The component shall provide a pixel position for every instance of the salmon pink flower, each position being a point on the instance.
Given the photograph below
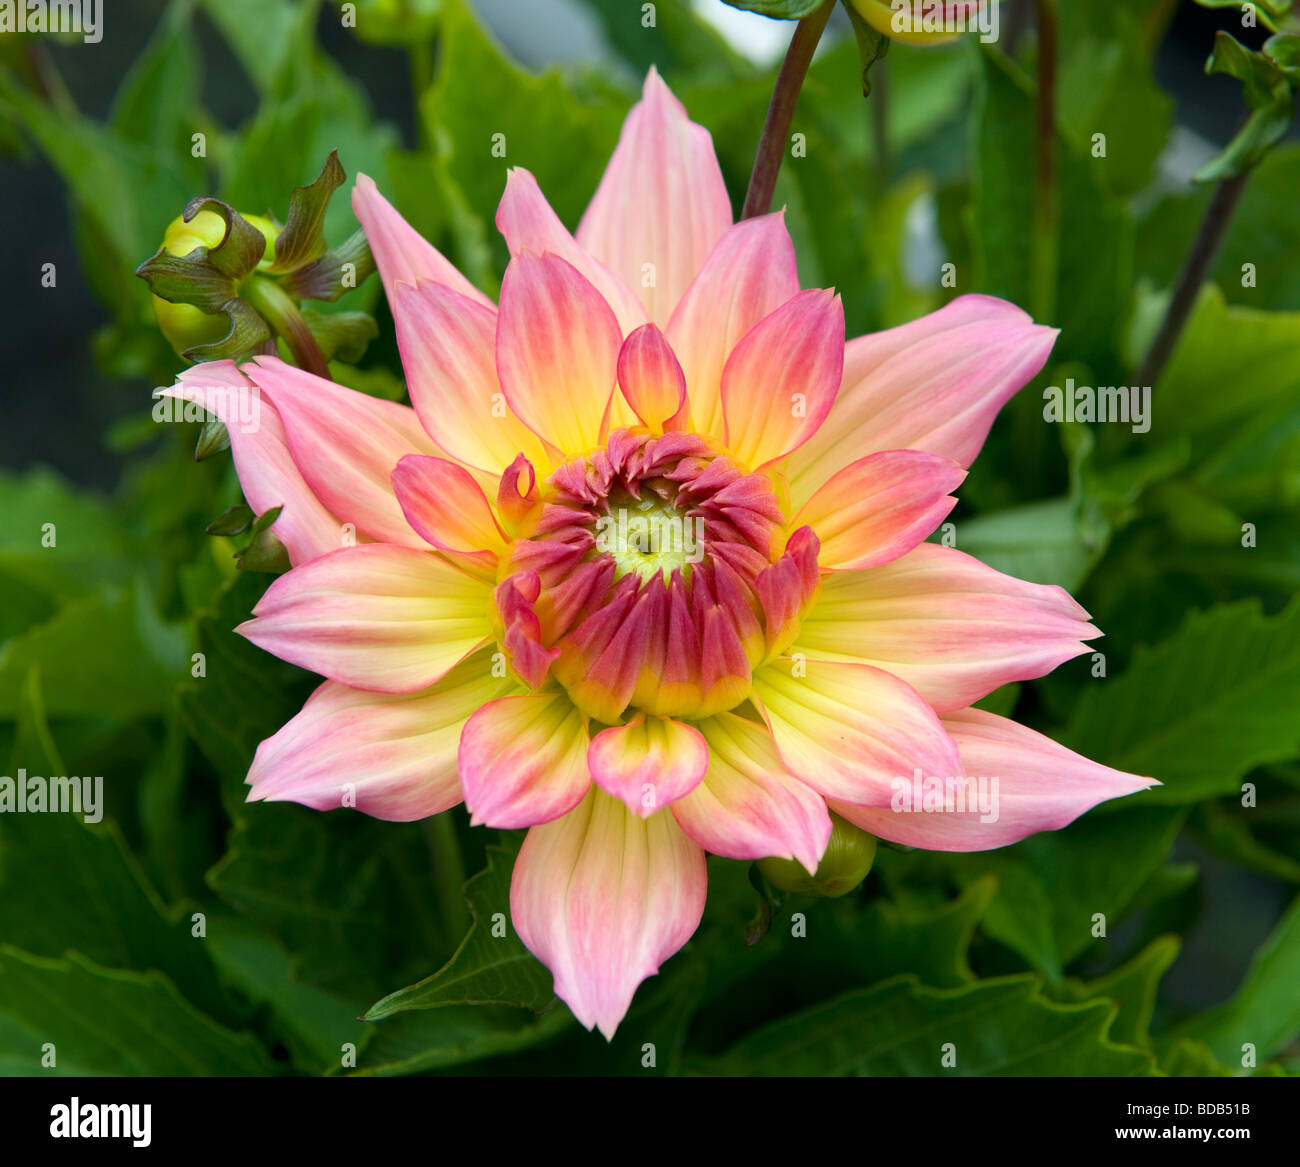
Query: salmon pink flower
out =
(642, 566)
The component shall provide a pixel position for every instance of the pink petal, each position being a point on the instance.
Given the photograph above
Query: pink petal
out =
(401, 253)
(378, 617)
(749, 806)
(950, 626)
(391, 756)
(880, 507)
(648, 763)
(935, 384)
(445, 506)
(749, 274)
(448, 344)
(848, 730)
(1040, 786)
(523, 760)
(661, 202)
(652, 381)
(780, 381)
(557, 351)
(346, 444)
(603, 897)
(528, 223)
(267, 473)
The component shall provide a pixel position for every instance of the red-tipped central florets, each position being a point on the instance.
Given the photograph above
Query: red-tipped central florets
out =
(654, 575)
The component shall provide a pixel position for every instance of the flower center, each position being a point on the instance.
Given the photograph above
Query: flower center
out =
(650, 537)
(653, 576)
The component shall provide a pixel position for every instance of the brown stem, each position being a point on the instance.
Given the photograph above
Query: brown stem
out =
(780, 112)
(1199, 261)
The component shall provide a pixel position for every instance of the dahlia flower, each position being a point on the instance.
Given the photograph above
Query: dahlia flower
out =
(642, 567)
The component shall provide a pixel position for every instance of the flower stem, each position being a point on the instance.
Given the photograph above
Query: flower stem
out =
(780, 112)
(1047, 195)
(1199, 260)
(448, 868)
(274, 306)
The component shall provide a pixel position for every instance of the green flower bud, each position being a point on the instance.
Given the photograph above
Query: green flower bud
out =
(184, 325)
(228, 285)
(848, 858)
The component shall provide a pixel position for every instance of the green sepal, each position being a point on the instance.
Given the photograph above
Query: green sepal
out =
(264, 552)
(243, 245)
(187, 279)
(872, 45)
(248, 334)
(213, 439)
(233, 520)
(303, 237)
(322, 279)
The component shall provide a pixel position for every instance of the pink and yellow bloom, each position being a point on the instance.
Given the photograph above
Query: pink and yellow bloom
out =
(642, 566)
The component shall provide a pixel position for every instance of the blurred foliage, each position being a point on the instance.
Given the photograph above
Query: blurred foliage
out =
(205, 936)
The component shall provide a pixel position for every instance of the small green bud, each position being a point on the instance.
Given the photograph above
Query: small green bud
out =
(184, 325)
(848, 858)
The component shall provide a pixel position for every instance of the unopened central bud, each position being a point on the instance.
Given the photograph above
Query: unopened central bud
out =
(649, 537)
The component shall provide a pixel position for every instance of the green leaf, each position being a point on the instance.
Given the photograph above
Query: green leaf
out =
(436, 1039)
(1190, 398)
(1201, 709)
(108, 1022)
(350, 897)
(1230, 835)
(89, 547)
(93, 896)
(491, 966)
(778, 9)
(1267, 91)
(1045, 542)
(1106, 86)
(316, 1025)
(1265, 1011)
(484, 114)
(156, 100)
(101, 656)
(1132, 987)
(244, 694)
(261, 32)
(1269, 11)
(1052, 887)
(995, 1028)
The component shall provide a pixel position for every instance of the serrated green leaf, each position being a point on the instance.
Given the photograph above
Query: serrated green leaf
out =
(1201, 709)
(994, 1028)
(109, 1022)
(1132, 987)
(491, 966)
